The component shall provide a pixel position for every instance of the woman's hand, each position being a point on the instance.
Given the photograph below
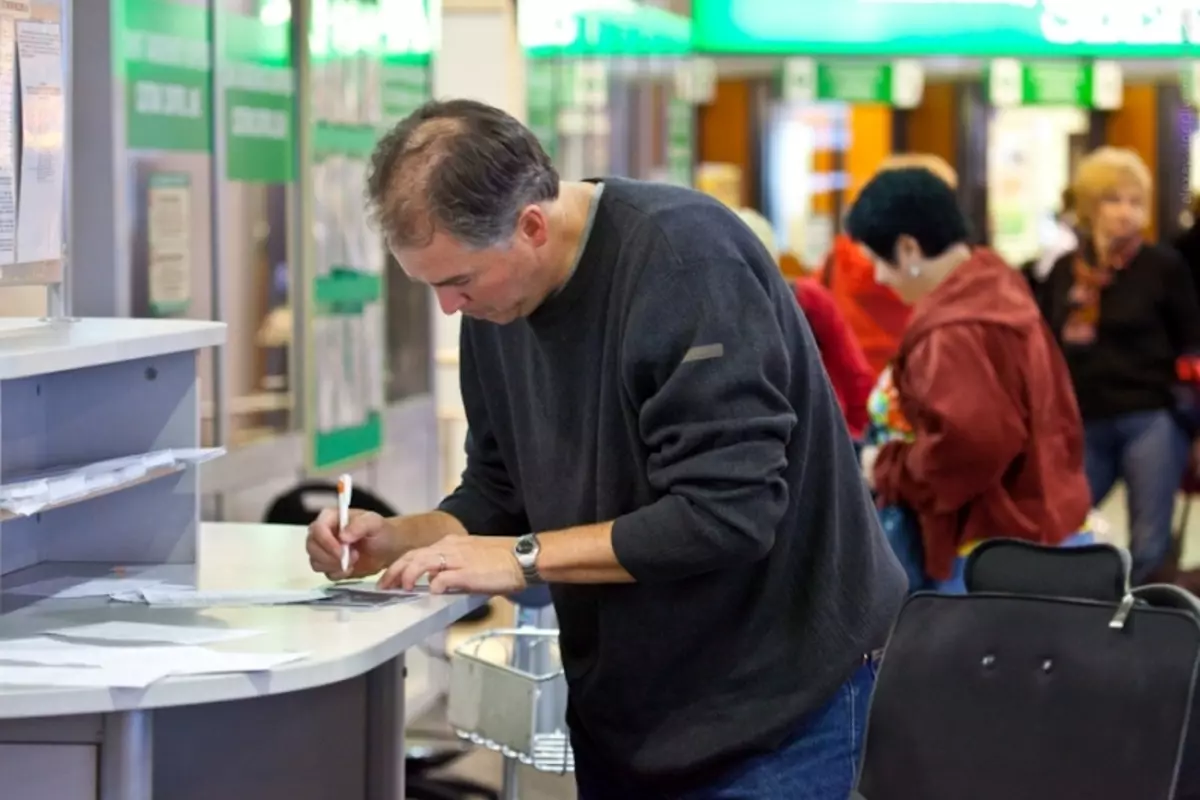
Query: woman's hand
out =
(867, 461)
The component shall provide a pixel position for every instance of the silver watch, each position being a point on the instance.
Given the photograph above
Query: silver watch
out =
(527, 550)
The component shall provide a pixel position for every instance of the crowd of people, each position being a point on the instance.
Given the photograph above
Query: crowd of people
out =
(1010, 402)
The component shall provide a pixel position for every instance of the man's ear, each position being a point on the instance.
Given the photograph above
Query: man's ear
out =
(533, 225)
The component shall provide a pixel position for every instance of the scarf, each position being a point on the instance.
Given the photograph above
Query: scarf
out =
(1089, 282)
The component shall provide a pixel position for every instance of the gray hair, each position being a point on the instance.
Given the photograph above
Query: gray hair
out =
(459, 166)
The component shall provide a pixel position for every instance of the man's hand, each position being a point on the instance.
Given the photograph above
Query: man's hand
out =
(460, 564)
(370, 539)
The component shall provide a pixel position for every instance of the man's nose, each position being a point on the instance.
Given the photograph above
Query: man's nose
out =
(450, 300)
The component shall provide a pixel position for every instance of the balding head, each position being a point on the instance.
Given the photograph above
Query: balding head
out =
(458, 167)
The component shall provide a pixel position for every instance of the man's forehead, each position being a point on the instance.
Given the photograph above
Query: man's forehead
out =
(440, 261)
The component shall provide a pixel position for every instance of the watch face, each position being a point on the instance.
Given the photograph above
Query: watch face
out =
(524, 546)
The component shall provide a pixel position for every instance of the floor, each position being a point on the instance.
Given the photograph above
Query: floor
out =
(487, 767)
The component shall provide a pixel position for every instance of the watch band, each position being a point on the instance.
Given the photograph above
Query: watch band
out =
(526, 551)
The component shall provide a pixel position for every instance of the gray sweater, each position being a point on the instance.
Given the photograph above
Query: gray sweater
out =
(673, 386)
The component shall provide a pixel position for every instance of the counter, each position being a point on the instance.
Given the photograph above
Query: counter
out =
(328, 726)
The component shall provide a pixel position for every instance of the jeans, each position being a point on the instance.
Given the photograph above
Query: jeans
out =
(818, 762)
(1149, 451)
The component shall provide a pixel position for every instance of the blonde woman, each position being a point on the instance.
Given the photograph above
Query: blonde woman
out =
(1126, 314)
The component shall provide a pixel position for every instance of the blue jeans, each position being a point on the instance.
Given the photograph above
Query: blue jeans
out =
(818, 762)
(1149, 451)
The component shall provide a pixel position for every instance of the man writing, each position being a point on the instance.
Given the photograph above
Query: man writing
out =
(652, 434)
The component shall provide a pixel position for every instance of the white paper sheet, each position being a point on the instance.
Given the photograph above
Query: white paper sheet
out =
(370, 587)
(40, 204)
(128, 677)
(70, 588)
(117, 631)
(144, 664)
(192, 598)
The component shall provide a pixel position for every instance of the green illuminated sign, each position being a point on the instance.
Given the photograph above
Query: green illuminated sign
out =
(900, 83)
(555, 28)
(1017, 28)
(1055, 83)
(260, 117)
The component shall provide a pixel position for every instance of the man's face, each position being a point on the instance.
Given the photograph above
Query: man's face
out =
(498, 284)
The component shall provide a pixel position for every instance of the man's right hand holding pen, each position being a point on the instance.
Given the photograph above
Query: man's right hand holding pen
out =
(374, 542)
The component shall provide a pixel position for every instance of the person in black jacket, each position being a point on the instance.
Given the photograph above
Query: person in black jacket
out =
(1125, 312)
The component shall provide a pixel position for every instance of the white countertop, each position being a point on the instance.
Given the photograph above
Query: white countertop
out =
(342, 642)
(33, 347)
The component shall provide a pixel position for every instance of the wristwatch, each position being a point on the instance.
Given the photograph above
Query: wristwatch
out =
(527, 550)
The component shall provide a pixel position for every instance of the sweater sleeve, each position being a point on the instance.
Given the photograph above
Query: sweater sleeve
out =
(1182, 311)
(841, 354)
(486, 500)
(705, 361)
(967, 431)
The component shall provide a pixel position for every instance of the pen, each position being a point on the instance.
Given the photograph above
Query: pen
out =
(344, 485)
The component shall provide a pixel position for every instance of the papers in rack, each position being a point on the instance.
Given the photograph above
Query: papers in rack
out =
(53, 661)
(30, 493)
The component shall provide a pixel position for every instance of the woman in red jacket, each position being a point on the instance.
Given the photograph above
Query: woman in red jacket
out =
(849, 373)
(996, 444)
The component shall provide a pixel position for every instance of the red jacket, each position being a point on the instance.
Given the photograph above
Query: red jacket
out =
(998, 445)
(849, 373)
(874, 313)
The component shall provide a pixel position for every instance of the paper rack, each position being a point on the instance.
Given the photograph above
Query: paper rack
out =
(518, 709)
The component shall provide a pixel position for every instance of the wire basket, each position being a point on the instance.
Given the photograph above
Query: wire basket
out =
(518, 709)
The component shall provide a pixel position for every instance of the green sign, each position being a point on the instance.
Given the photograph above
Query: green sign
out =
(1055, 83)
(1000, 28)
(406, 86)
(681, 141)
(165, 65)
(557, 28)
(900, 83)
(347, 335)
(544, 92)
(260, 107)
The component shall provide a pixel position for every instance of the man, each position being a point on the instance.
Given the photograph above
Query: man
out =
(642, 394)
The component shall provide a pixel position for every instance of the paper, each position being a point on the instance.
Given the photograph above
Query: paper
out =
(168, 223)
(40, 204)
(71, 588)
(131, 666)
(371, 587)
(148, 632)
(197, 455)
(125, 677)
(8, 143)
(191, 598)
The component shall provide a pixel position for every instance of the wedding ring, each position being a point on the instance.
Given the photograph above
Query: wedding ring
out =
(441, 563)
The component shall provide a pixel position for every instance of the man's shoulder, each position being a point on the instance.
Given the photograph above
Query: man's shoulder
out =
(679, 215)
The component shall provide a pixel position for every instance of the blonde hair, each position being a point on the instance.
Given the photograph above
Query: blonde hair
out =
(1104, 171)
(762, 229)
(935, 164)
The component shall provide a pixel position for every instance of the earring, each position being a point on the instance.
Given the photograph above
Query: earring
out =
(914, 271)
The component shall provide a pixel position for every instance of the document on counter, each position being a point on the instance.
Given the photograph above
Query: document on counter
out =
(125, 677)
(40, 202)
(65, 588)
(135, 665)
(116, 631)
(199, 598)
(370, 587)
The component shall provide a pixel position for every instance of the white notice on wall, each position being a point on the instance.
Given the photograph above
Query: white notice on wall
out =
(169, 210)
(8, 144)
(39, 213)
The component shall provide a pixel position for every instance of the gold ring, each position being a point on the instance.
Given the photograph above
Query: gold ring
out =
(441, 563)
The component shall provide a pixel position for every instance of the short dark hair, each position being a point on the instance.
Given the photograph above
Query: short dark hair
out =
(910, 201)
(459, 166)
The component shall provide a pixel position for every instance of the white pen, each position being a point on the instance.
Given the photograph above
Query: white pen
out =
(344, 487)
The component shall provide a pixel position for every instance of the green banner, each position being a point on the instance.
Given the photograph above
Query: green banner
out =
(165, 64)
(260, 107)
(999, 28)
(1076, 84)
(406, 85)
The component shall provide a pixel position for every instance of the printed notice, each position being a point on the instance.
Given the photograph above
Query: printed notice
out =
(169, 233)
(40, 205)
(8, 145)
